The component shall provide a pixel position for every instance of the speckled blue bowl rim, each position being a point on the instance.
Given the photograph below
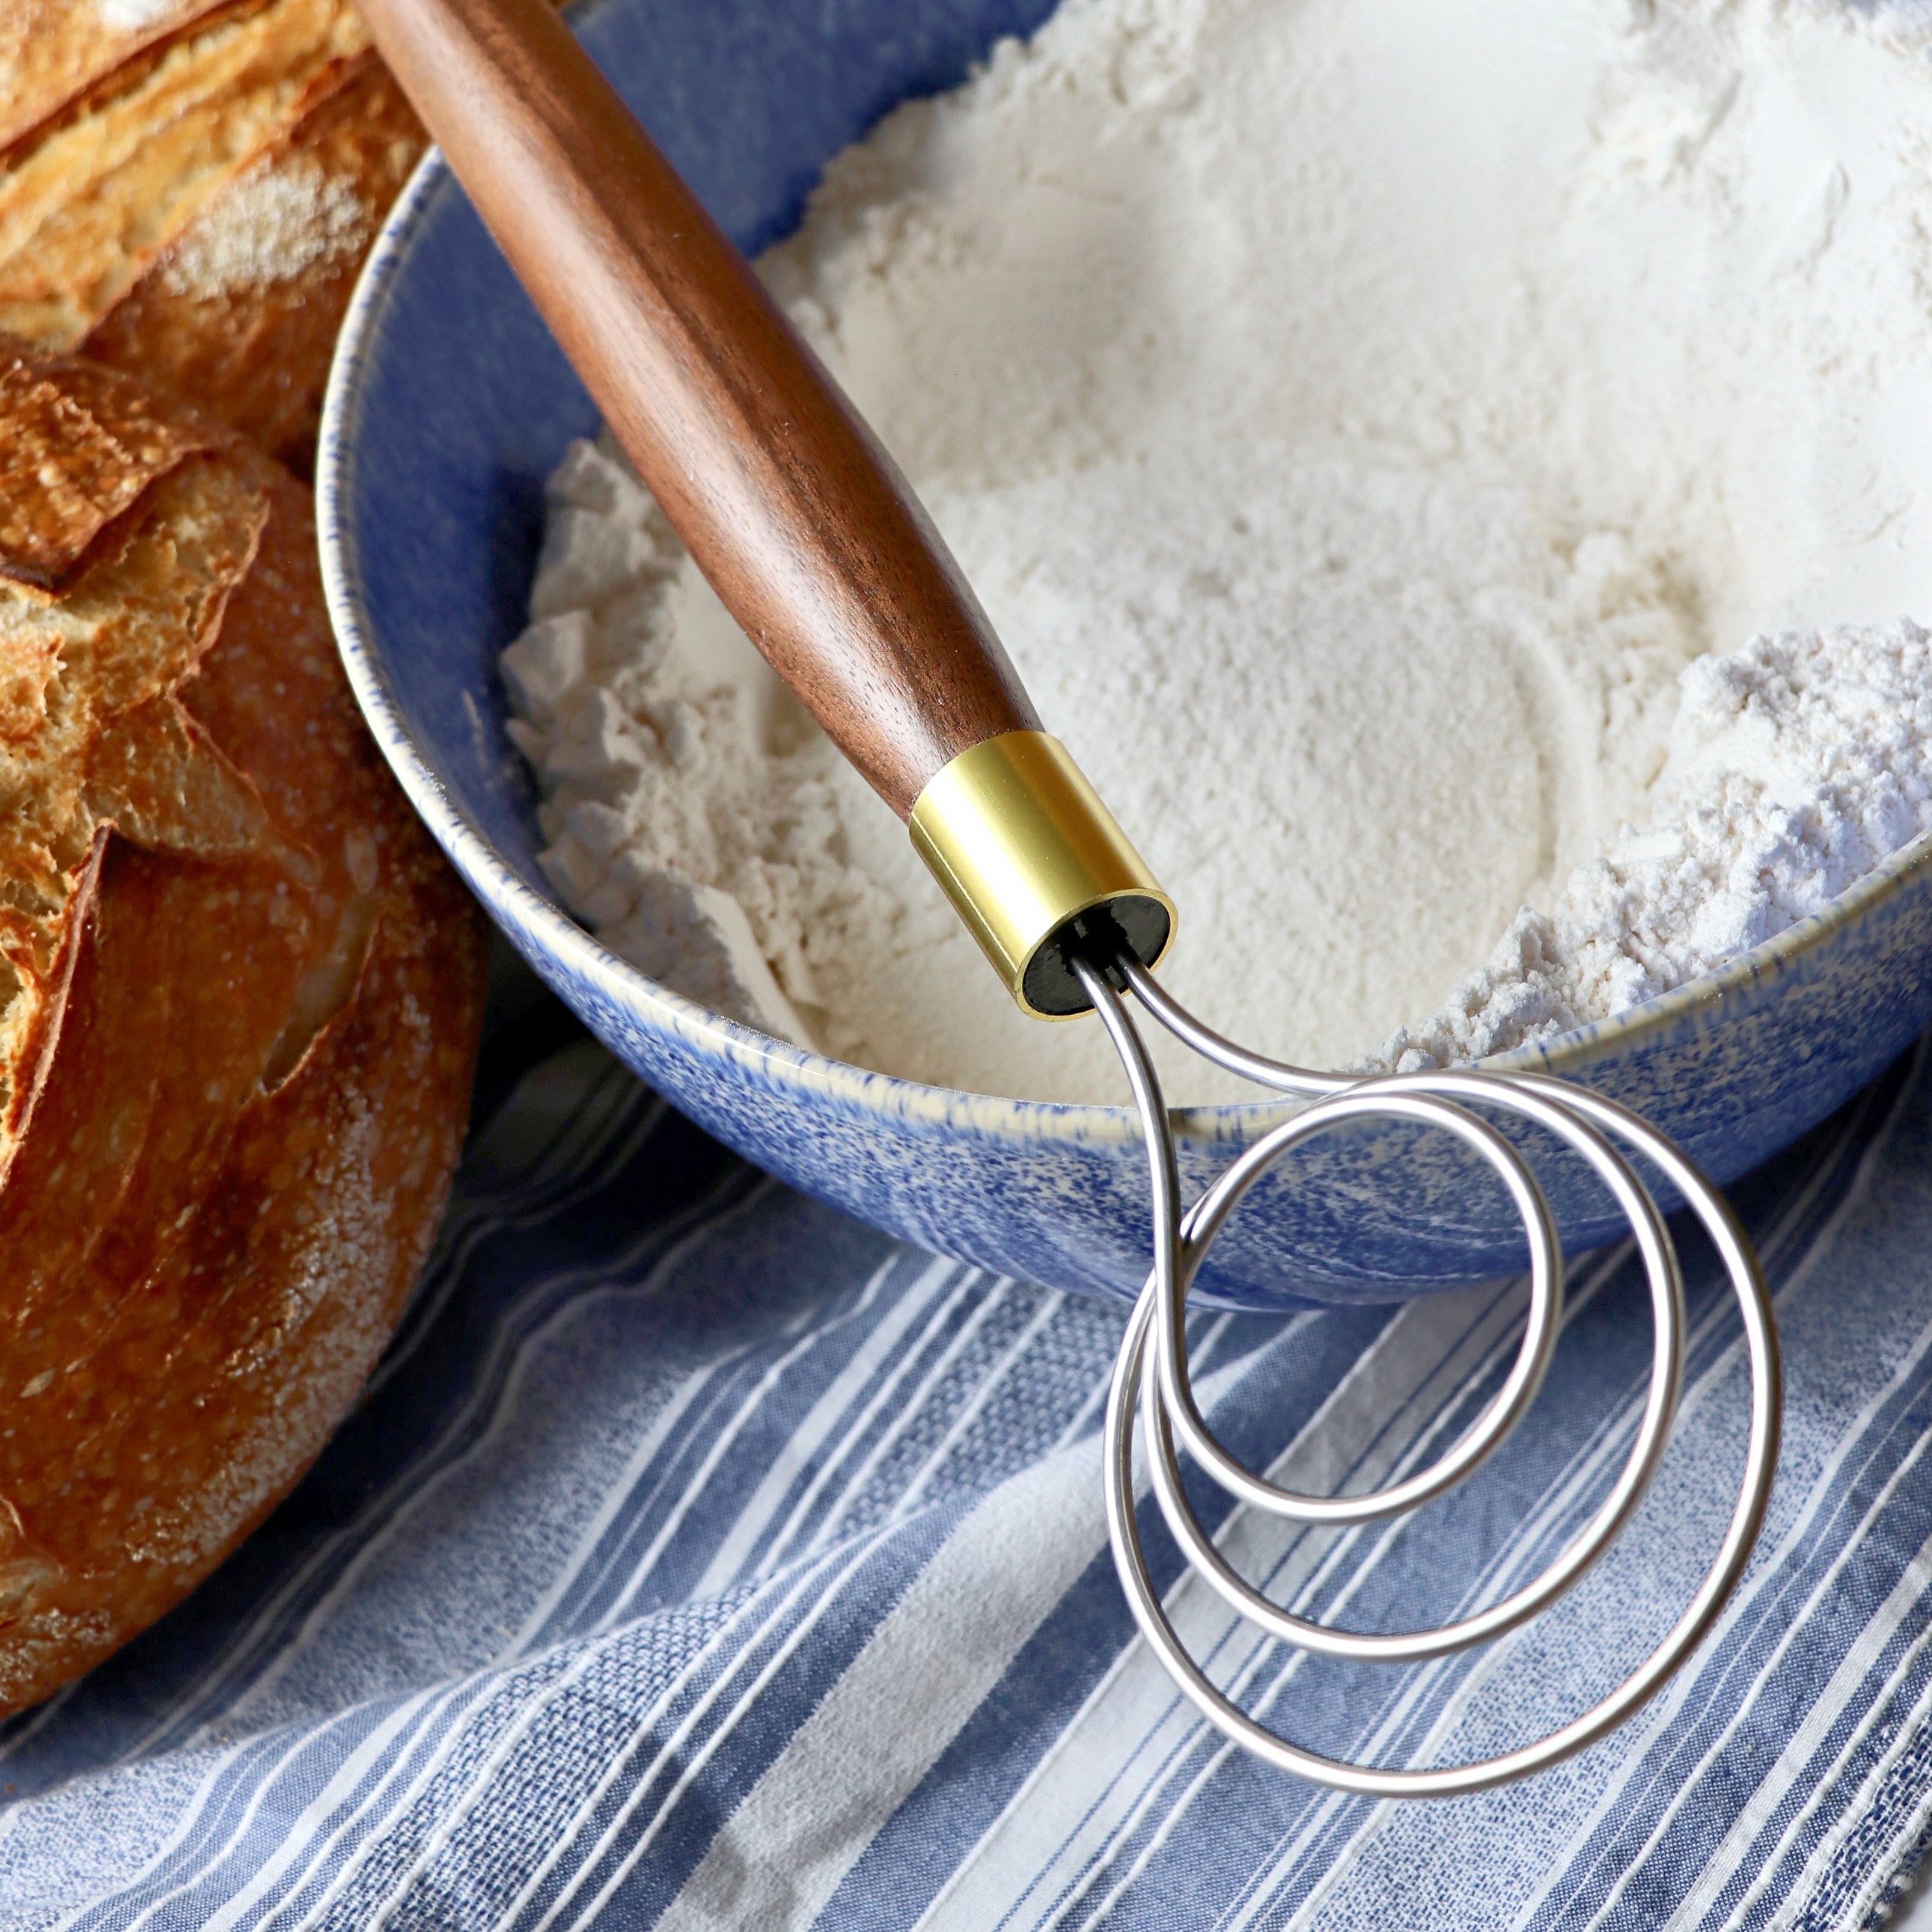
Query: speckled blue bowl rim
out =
(515, 905)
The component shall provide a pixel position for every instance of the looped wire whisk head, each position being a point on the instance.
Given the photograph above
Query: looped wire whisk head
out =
(1151, 1384)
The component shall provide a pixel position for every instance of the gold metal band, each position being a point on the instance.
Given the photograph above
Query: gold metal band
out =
(1024, 847)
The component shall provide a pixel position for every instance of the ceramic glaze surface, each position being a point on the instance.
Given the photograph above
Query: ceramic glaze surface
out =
(449, 407)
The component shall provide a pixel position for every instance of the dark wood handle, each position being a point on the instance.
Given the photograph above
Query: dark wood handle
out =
(786, 499)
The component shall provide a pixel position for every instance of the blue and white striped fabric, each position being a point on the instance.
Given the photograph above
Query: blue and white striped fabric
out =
(700, 1559)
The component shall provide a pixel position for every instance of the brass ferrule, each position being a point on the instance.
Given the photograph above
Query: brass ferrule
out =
(1035, 864)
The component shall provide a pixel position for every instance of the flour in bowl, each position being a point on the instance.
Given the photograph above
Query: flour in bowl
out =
(1797, 766)
(1361, 434)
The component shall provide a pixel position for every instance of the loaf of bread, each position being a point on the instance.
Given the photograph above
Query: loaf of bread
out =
(240, 994)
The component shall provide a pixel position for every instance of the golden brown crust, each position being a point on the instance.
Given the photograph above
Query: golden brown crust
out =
(35, 1007)
(86, 695)
(254, 351)
(53, 51)
(76, 454)
(240, 1154)
(88, 198)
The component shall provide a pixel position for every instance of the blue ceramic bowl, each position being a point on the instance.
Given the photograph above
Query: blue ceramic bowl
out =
(448, 406)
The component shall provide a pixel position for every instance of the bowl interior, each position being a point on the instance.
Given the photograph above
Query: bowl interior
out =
(449, 448)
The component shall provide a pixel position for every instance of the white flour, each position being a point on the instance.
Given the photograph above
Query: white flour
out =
(1796, 765)
(1355, 417)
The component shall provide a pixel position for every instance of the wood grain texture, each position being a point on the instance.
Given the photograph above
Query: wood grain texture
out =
(792, 509)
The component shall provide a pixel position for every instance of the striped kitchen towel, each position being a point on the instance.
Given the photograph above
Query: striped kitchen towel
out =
(701, 1558)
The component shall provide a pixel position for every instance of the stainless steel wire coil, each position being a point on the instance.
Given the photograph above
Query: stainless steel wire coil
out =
(1163, 1405)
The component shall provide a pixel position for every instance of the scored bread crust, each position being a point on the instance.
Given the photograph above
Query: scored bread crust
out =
(53, 50)
(91, 195)
(91, 734)
(246, 1129)
(80, 451)
(254, 350)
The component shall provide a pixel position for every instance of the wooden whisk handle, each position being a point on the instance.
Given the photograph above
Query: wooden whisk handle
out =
(799, 518)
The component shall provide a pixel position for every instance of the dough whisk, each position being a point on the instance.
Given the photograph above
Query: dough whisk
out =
(819, 550)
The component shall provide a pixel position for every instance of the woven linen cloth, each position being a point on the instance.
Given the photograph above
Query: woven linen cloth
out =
(699, 1557)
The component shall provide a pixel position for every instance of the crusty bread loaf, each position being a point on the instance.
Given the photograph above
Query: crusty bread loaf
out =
(79, 450)
(253, 990)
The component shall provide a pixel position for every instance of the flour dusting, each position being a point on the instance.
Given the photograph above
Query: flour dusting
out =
(271, 224)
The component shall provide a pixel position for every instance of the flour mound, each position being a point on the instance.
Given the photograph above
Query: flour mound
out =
(1797, 766)
(693, 830)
